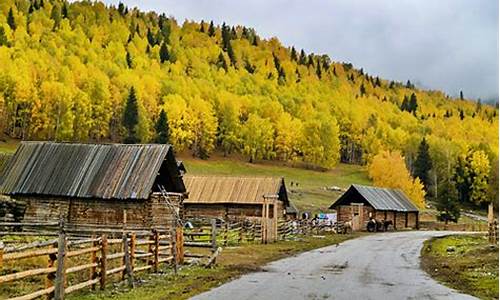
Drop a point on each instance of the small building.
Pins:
(95, 183)
(360, 202)
(261, 199)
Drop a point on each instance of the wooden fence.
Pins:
(431, 225)
(493, 232)
(76, 262)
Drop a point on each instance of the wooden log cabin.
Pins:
(360, 202)
(261, 199)
(95, 183)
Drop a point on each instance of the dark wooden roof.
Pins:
(380, 198)
(107, 171)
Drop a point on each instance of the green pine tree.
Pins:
(211, 29)
(11, 20)
(293, 54)
(447, 204)
(162, 129)
(131, 118)
(65, 11)
(221, 62)
(423, 164)
(412, 105)
(164, 54)
(128, 58)
(362, 89)
(461, 95)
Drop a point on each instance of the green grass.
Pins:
(233, 262)
(309, 195)
(8, 145)
(472, 266)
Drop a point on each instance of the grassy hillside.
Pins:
(309, 195)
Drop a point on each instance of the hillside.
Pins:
(84, 71)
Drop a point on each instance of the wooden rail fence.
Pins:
(105, 257)
(493, 232)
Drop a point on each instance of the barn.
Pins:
(261, 199)
(95, 183)
(360, 202)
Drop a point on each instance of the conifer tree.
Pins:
(202, 26)
(151, 38)
(164, 54)
(211, 29)
(64, 11)
(303, 57)
(31, 9)
(461, 95)
(221, 62)
(10, 20)
(423, 164)
(131, 117)
(447, 203)
(412, 106)
(230, 53)
(405, 104)
(409, 85)
(293, 54)
(461, 115)
(128, 58)
(318, 70)
(255, 41)
(362, 89)
(162, 129)
(56, 16)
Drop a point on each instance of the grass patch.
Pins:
(233, 262)
(310, 193)
(466, 263)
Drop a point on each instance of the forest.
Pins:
(84, 71)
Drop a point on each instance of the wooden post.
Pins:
(156, 250)
(132, 251)
(60, 271)
(406, 219)
(104, 251)
(1, 254)
(491, 216)
(180, 244)
(226, 231)
(173, 243)
(240, 232)
(126, 258)
(417, 225)
(214, 235)
(93, 259)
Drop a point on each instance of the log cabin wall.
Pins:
(82, 211)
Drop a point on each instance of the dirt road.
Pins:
(379, 266)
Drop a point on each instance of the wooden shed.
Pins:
(262, 199)
(360, 202)
(95, 183)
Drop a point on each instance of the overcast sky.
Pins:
(450, 45)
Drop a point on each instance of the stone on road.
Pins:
(379, 266)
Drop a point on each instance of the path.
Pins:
(379, 266)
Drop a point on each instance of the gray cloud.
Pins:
(450, 45)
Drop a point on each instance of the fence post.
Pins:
(240, 232)
(93, 259)
(173, 243)
(126, 258)
(156, 250)
(132, 251)
(60, 271)
(226, 231)
(1, 254)
(104, 251)
(214, 235)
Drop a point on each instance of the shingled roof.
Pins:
(380, 198)
(241, 190)
(107, 171)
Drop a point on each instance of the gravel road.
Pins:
(379, 266)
